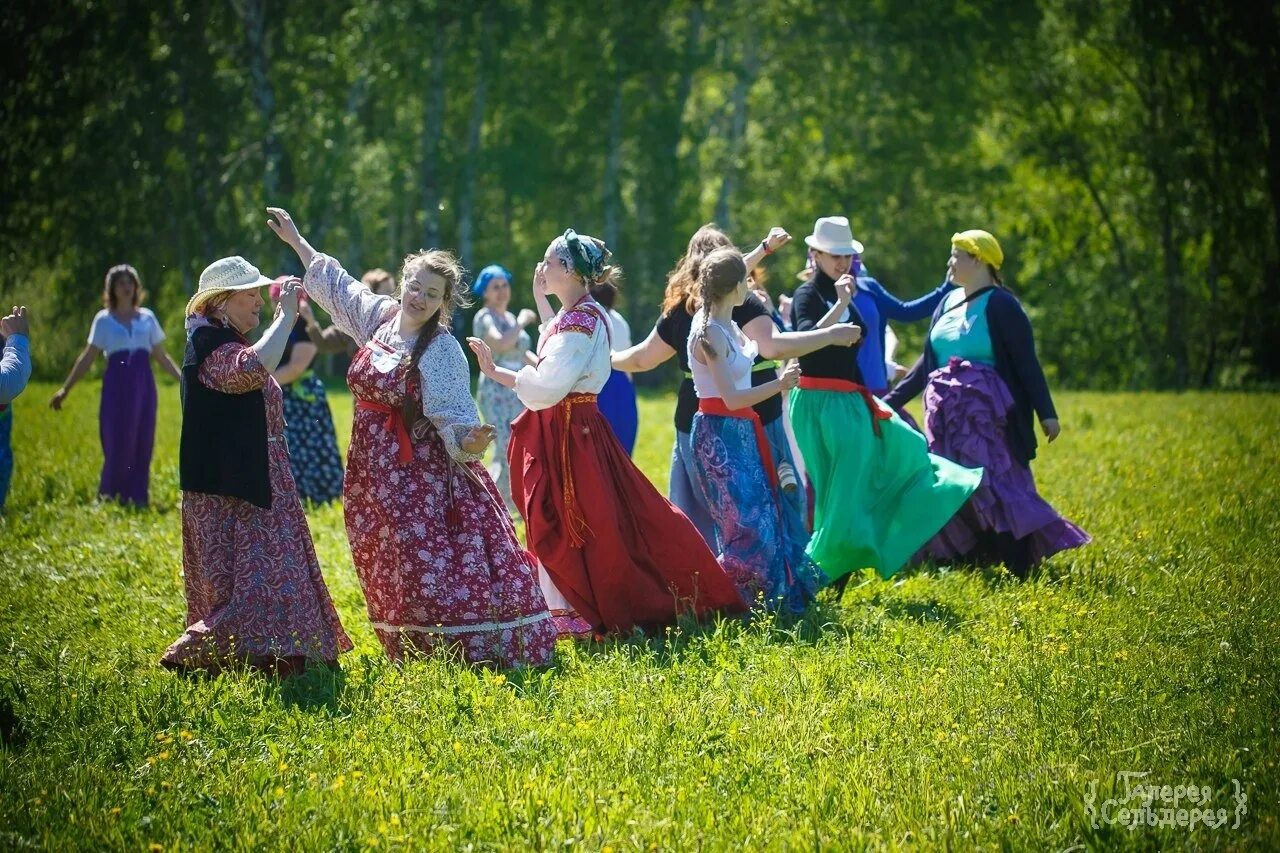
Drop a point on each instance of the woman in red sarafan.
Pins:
(614, 548)
(430, 536)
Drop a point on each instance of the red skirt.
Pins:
(621, 554)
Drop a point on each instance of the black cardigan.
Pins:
(809, 305)
(224, 436)
(1016, 362)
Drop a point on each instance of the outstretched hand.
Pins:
(484, 356)
(479, 438)
(283, 226)
(1051, 428)
(846, 334)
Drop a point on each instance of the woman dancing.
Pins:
(621, 555)
(983, 387)
(431, 539)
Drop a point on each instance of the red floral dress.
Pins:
(430, 536)
(254, 588)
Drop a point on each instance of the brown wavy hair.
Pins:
(444, 264)
(116, 273)
(682, 282)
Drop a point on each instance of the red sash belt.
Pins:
(874, 407)
(716, 406)
(395, 423)
(577, 524)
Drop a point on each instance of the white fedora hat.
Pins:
(831, 234)
(225, 274)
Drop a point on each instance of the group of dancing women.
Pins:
(768, 503)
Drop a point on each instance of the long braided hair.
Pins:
(719, 274)
(444, 264)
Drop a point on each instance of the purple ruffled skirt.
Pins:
(966, 408)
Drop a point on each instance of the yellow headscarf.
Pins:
(981, 244)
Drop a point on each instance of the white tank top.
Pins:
(740, 358)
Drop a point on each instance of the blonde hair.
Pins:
(207, 302)
(682, 282)
(719, 274)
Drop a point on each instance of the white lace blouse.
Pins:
(573, 359)
(365, 316)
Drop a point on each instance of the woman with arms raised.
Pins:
(619, 553)
(255, 595)
(430, 537)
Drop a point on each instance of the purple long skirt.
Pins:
(966, 408)
(127, 426)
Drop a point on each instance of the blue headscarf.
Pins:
(488, 274)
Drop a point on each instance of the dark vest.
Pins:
(224, 436)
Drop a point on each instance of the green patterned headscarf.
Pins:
(581, 255)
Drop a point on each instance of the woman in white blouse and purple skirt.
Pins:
(130, 336)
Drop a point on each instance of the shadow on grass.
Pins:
(319, 688)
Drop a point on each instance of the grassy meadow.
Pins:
(947, 708)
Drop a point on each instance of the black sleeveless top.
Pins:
(224, 436)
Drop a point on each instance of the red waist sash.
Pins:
(874, 407)
(577, 525)
(716, 406)
(395, 423)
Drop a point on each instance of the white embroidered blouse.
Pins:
(365, 316)
(573, 359)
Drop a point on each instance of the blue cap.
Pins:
(488, 274)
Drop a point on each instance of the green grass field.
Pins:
(945, 708)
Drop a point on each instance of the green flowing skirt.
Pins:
(878, 499)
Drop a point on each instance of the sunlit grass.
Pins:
(944, 709)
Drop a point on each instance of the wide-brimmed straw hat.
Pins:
(832, 234)
(225, 274)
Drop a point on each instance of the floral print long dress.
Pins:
(254, 588)
(430, 536)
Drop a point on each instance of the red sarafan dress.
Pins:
(615, 549)
(430, 536)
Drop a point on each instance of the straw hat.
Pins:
(223, 275)
(831, 234)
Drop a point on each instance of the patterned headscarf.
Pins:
(581, 255)
(486, 275)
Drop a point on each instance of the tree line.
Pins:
(1126, 152)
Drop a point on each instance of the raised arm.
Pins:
(15, 364)
(300, 358)
(270, 347)
(775, 240)
(355, 309)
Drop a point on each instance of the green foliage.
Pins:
(1126, 152)
(946, 709)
